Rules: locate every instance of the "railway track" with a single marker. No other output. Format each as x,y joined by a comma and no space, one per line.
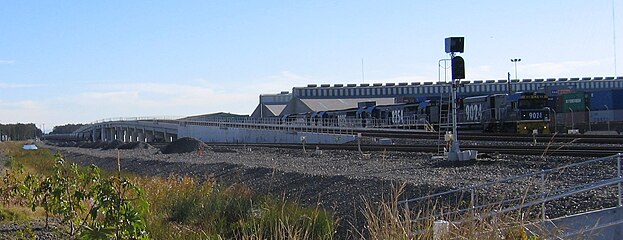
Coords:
553,150
559,138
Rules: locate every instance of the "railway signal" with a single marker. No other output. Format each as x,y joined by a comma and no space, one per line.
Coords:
458,68
456,45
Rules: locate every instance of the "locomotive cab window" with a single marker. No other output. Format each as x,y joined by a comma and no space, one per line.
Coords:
532,103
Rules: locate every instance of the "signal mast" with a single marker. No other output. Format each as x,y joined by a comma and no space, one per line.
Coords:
455,45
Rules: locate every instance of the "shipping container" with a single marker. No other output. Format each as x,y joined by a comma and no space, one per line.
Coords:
559,90
606,100
572,120
558,102
602,116
617,99
618,115
601,100
574,102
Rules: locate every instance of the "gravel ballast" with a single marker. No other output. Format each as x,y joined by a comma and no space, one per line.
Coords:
340,180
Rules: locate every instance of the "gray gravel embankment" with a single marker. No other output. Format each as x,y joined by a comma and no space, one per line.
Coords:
339,180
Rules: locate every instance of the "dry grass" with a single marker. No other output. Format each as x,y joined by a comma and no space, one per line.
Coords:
183,208
390,219
15,213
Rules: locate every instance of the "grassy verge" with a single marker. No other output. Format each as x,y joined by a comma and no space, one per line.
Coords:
184,208
390,219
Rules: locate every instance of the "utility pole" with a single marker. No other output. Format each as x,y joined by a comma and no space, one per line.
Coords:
508,83
363,79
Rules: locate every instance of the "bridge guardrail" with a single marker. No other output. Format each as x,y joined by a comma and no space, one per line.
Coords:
345,126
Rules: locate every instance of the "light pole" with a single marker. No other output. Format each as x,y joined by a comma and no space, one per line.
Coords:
607,116
515,60
589,118
445,71
555,123
572,122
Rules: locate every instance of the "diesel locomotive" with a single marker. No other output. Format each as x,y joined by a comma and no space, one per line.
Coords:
523,112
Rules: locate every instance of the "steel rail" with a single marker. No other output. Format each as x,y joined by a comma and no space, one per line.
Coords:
583,151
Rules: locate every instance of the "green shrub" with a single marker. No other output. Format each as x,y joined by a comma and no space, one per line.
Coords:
93,206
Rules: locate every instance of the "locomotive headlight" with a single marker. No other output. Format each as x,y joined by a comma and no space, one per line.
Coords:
544,127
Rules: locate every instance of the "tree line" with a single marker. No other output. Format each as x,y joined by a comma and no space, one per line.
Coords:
66,129
19,131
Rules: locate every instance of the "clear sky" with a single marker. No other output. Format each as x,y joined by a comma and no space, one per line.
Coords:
79,61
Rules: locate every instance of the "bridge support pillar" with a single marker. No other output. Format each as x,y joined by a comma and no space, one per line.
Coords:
137,135
108,134
140,135
119,134
170,137
149,137
132,135
126,134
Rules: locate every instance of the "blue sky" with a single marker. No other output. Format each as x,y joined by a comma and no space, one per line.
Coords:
80,61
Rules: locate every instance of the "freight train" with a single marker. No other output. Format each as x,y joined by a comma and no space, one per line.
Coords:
587,111
523,112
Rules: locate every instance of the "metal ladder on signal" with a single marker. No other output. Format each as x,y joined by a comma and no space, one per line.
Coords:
444,126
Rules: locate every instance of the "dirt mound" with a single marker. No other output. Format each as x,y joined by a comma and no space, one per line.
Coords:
112,145
91,145
135,145
63,143
183,145
100,145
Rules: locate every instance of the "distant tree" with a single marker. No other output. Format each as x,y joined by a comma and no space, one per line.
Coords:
20,131
65,129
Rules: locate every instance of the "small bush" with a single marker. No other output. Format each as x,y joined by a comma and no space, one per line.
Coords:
90,205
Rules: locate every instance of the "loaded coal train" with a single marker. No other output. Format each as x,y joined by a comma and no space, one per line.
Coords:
523,112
